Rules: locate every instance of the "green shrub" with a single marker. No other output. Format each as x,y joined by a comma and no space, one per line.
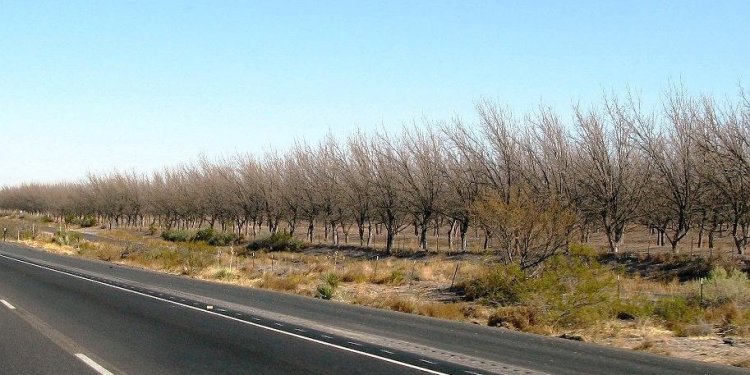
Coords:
497,285
207,235
84,222
204,234
571,291
222,239
328,287
722,287
324,291
581,250
87,221
46,219
276,242
224,274
151,229
676,312
64,237
397,277
332,279
636,307
175,235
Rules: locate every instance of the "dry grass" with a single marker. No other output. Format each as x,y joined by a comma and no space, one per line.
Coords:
412,305
653,346
514,317
294,282
356,272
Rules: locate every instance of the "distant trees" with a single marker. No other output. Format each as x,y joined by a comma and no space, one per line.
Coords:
523,184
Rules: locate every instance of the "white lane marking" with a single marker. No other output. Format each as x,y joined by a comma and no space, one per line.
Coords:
353,343
299,330
473,373
7,304
374,356
426,361
255,319
279,324
326,336
386,351
98,368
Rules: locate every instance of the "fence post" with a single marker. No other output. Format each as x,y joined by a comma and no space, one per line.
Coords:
411,277
231,257
455,272
375,271
618,287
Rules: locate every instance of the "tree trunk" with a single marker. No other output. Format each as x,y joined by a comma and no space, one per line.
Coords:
389,241
361,232
369,235
310,230
451,231
423,236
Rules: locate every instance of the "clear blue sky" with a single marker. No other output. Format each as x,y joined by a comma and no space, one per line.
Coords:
98,85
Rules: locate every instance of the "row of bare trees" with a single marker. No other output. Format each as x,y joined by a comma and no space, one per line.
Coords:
530,184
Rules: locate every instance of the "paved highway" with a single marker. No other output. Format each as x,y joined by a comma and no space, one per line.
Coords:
64,315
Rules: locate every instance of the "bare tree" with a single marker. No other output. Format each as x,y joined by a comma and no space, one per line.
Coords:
357,183
301,192
671,150
611,172
463,171
271,187
247,189
419,162
387,193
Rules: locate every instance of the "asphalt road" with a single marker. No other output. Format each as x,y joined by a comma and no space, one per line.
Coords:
132,321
